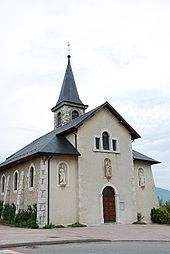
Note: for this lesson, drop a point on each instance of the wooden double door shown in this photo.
(109, 212)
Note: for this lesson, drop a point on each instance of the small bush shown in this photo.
(24, 218)
(160, 215)
(167, 204)
(27, 218)
(1, 208)
(4, 222)
(139, 219)
(77, 225)
(50, 226)
(31, 223)
(8, 212)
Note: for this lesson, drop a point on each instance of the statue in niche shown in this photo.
(141, 177)
(62, 174)
(108, 168)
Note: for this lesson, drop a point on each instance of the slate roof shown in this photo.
(142, 157)
(69, 93)
(47, 144)
(54, 142)
(75, 123)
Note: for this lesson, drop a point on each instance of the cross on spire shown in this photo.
(68, 50)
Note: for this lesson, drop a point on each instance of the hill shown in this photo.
(163, 194)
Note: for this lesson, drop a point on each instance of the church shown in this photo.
(84, 170)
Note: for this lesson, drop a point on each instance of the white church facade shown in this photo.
(84, 170)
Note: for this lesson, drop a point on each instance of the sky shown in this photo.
(119, 51)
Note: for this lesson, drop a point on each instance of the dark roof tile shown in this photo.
(55, 142)
(69, 93)
(142, 157)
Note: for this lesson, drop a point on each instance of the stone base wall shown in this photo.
(43, 194)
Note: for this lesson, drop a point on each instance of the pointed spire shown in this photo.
(69, 91)
(69, 104)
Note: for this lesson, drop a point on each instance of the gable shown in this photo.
(74, 124)
(55, 142)
(104, 120)
(103, 133)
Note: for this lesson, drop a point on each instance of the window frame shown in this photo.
(99, 143)
(3, 183)
(59, 118)
(110, 142)
(74, 111)
(15, 184)
(105, 141)
(33, 175)
(114, 144)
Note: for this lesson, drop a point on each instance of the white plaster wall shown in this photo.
(146, 197)
(63, 200)
(91, 169)
(72, 138)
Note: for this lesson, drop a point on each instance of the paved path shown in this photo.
(11, 236)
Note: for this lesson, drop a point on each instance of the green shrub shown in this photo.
(50, 226)
(77, 225)
(21, 216)
(167, 204)
(31, 223)
(8, 212)
(160, 215)
(27, 218)
(24, 218)
(139, 219)
(1, 208)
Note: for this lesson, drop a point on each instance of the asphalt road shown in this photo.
(125, 247)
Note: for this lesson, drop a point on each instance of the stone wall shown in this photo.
(23, 196)
(42, 205)
(66, 114)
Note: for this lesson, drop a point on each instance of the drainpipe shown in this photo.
(48, 198)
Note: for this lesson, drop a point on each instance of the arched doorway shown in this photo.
(109, 211)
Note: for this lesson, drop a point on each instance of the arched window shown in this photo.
(75, 114)
(3, 181)
(105, 139)
(31, 177)
(15, 180)
(59, 118)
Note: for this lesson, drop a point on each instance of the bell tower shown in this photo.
(69, 105)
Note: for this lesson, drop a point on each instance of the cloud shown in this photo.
(120, 50)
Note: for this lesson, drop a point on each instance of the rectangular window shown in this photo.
(114, 144)
(97, 140)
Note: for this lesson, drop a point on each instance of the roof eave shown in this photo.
(132, 132)
(74, 104)
(122, 121)
(149, 161)
(34, 156)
